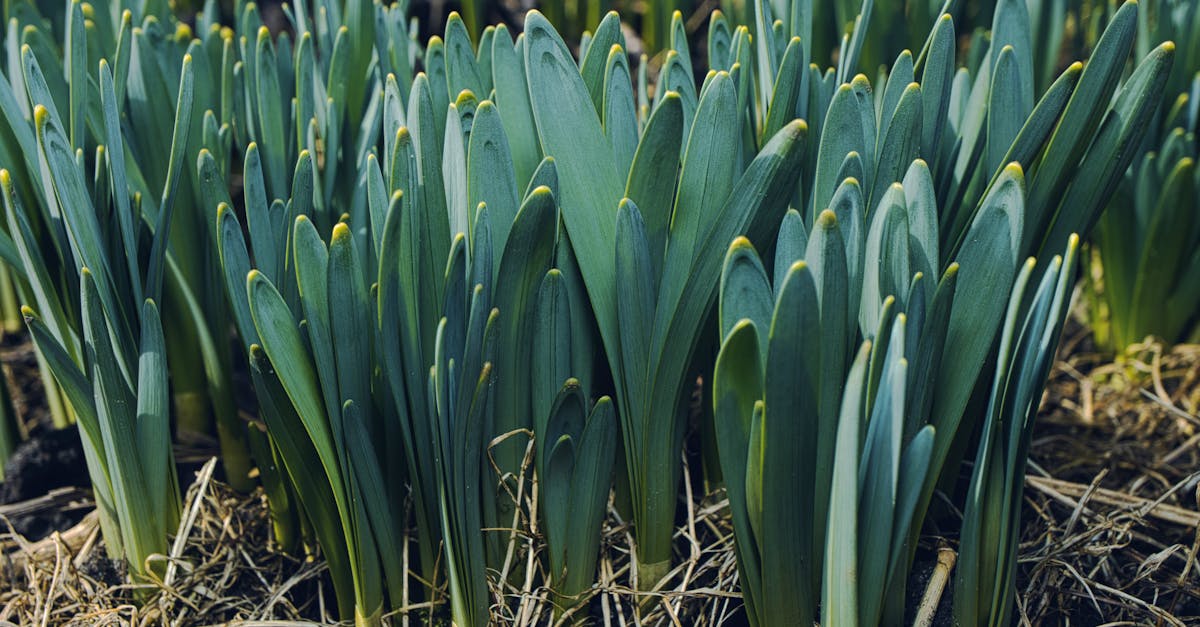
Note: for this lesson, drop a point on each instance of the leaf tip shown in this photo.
(341, 232)
(1014, 171)
(741, 242)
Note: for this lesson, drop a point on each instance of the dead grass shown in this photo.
(1112, 527)
(221, 568)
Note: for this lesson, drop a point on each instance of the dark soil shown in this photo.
(100, 567)
(48, 460)
(918, 581)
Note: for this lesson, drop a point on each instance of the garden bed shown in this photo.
(1110, 528)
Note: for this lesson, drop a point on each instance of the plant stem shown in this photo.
(60, 415)
(10, 309)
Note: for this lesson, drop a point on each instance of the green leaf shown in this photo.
(745, 293)
(790, 247)
(706, 179)
(737, 385)
(914, 468)
(989, 261)
(262, 230)
(679, 42)
(565, 423)
(901, 145)
(304, 467)
(937, 76)
(75, 60)
(490, 175)
(454, 171)
(162, 230)
(1080, 120)
(878, 475)
(305, 88)
(570, 131)
(1007, 109)
(116, 165)
(654, 164)
(594, 63)
(826, 257)
(462, 72)
(271, 130)
(512, 97)
(785, 98)
(720, 41)
(523, 264)
(374, 498)
(899, 77)
(427, 143)
(1011, 29)
(590, 485)
(920, 201)
(557, 500)
(886, 270)
(154, 417)
(789, 455)
(841, 134)
(1112, 150)
(1168, 237)
(840, 601)
(635, 304)
(674, 78)
(142, 530)
(235, 262)
(550, 365)
(43, 288)
(84, 228)
(312, 276)
(620, 111)
(350, 327)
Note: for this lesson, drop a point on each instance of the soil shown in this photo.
(48, 460)
(918, 580)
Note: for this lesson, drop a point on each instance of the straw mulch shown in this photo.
(1112, 507)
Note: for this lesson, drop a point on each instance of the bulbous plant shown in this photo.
(403, 349)
(985, 582)
(1147, 238)
(116, 385)
(789, 404)
(576, 448)
(135, 136)
(1147, 241)
(872, 232)
(652, 249)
